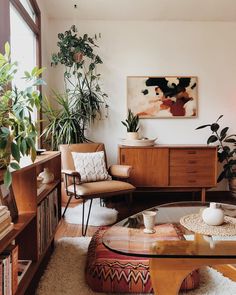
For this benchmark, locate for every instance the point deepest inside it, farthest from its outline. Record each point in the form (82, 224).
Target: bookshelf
(39, 214)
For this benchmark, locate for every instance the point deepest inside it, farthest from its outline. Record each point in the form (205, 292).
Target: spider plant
(65, 124)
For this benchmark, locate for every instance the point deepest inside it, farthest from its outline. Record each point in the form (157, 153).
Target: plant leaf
(7, 178)
(203, 126)
(15, 151)
(215, 127)
(212, 139)
(224, 131)
(219, 118)
(15, 166)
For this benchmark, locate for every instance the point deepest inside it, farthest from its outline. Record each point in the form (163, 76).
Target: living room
(137, 41)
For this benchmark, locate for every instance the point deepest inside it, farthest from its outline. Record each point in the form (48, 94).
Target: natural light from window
(28, 8)
(23, 49)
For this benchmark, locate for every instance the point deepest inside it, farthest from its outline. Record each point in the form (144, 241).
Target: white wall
(203, 49)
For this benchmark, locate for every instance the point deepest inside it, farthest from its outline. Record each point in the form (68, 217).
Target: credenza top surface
(176, 146)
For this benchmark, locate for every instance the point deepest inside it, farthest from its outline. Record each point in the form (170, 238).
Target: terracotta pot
(232, 186)
(132, 135)
(78, 56)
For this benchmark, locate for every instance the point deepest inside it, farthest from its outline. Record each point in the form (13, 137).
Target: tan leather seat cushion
(102, 188)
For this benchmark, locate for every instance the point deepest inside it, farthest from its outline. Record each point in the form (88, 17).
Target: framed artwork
(163, 97)
(7, 199)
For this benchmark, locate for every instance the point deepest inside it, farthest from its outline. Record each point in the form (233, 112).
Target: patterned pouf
(107, 271)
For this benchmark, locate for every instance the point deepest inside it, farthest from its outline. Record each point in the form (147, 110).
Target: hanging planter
(78, 56)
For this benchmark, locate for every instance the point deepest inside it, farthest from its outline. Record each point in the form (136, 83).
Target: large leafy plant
(226, 148)
(132, 122)
(83, 100)
(64, 124)
(17, 129)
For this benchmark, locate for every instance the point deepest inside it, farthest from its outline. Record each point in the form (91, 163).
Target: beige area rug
(65, 273)
(99, 215)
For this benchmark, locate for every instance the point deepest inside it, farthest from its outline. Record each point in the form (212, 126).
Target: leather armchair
(90, 190)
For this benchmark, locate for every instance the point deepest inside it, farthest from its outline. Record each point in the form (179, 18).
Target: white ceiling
(175, 10)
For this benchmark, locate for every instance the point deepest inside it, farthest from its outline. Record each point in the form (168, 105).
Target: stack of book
(9, 270)
(5, 222)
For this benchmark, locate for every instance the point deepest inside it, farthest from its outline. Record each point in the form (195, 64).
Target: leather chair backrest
(66, 149)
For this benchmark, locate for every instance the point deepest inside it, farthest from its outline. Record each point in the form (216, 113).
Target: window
(28, 7)
(20, 25)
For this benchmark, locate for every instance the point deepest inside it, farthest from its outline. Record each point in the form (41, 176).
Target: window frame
(35, 26)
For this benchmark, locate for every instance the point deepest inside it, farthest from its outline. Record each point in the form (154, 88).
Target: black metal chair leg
(67, 204)
(84, 231)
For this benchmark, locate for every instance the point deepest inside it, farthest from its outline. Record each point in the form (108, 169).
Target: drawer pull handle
(192, 162)
(191, 181)
(192, 172)
(191, 152)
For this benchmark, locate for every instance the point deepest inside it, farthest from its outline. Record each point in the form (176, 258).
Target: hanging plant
(83, 94)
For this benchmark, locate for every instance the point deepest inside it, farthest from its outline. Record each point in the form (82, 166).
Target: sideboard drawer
(199, 157)
(192, 167)
(192, 178)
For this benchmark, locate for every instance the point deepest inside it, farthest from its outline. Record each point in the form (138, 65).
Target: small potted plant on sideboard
(132, 125)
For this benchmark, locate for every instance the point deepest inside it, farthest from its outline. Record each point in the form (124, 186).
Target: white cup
(149, 218)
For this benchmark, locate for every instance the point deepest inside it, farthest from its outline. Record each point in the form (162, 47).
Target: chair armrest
(120, 171)
(72, 173)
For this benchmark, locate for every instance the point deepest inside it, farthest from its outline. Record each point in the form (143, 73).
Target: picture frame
(7, 198)
(163, 96)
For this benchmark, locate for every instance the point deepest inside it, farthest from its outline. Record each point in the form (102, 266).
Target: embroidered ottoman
(107, 271)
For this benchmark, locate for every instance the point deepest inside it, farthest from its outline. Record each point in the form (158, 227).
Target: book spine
(13, 251)
(1, 278)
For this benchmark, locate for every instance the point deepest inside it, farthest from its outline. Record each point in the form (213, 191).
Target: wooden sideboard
(188, 167)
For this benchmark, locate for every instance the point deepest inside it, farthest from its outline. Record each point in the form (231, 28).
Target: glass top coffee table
(174, 250)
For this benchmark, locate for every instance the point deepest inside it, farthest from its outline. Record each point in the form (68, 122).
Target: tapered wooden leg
(203, 195)
(166, 280)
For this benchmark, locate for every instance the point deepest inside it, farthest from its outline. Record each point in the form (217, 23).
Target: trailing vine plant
(83, 100)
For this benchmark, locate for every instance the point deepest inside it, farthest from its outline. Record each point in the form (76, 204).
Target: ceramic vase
(213, 215)
(47, 176)
(149, 219)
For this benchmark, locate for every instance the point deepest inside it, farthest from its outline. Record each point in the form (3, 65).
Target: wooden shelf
(34, 210)
(22, 221)
(47, 189)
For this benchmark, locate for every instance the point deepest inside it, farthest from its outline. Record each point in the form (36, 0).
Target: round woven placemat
(195, 223)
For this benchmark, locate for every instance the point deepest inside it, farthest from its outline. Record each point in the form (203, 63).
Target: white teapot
(213, 215)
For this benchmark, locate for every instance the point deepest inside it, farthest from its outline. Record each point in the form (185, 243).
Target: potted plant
(83, 100)
(17, 129)
(226, 152)
(64, 123)
(132, 125)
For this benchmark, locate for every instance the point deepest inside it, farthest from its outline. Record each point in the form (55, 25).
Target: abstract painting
(163, 97)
